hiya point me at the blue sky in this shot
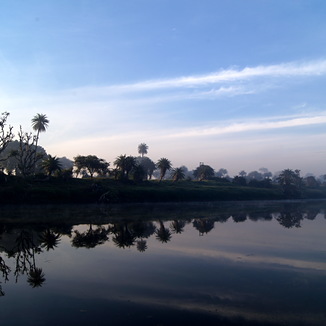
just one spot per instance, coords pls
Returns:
(235, 84)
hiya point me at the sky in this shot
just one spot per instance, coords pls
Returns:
(234, 84)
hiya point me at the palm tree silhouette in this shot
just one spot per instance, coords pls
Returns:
(49, 239)
(141, 245)
(51, 165)
(123, 236)
(178, 174)
(163, 164)
(177, 226)
(162, 233)
(39, 124)
(36, 277)
(142, 149)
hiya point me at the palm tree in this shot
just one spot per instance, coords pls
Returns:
(163, 165)
(39, 123)
(142, 149)
(178, 174)
(51, 165)
(120, 163)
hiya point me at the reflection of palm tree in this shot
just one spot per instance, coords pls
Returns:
(141, 245)
(177, 226)
(203, 225)
(122, 238)
(141, 229)
(91, 238)
(49, 239)
(36, 277)
(163, 234)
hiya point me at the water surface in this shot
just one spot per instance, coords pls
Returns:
(214, 264)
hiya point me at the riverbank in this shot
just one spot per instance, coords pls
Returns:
(113, 191)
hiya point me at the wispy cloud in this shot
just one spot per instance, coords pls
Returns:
(291, 69)
(264, 125)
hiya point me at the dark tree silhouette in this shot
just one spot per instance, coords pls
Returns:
(36, 277)
(39, 123)
(49, 239)
(162, 233)
(163, 164)
(141, 245)
(203, 225)
(203, 172)
(91, 164)
(51, 164)
(178, 174)
(291, 183)
(177, 226)
(90, 238)
(142, 149)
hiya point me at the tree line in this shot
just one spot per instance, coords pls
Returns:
(25, 158)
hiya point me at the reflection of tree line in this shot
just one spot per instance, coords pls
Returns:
(23, 248)
(27, 243)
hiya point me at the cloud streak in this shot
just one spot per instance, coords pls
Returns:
(263, 125)
(292, 69)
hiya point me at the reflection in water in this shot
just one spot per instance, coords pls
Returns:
(250, 285)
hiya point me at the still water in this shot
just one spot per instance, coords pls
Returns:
(252, 263)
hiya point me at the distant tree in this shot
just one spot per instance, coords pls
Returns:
(291, 182)
(51, 164)
(147, 164)
(142, 149)
(163, 164)
(311, 182)
(238, 180)
(138, 173)
(242, 173)
(203, 172)
(222, 173)
(124, 165)
(39, 124)
(90, 164)
(178, 174)
(6, 134)
(254, 175)
(265, 173)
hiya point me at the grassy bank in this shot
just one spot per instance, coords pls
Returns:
(111, 191)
